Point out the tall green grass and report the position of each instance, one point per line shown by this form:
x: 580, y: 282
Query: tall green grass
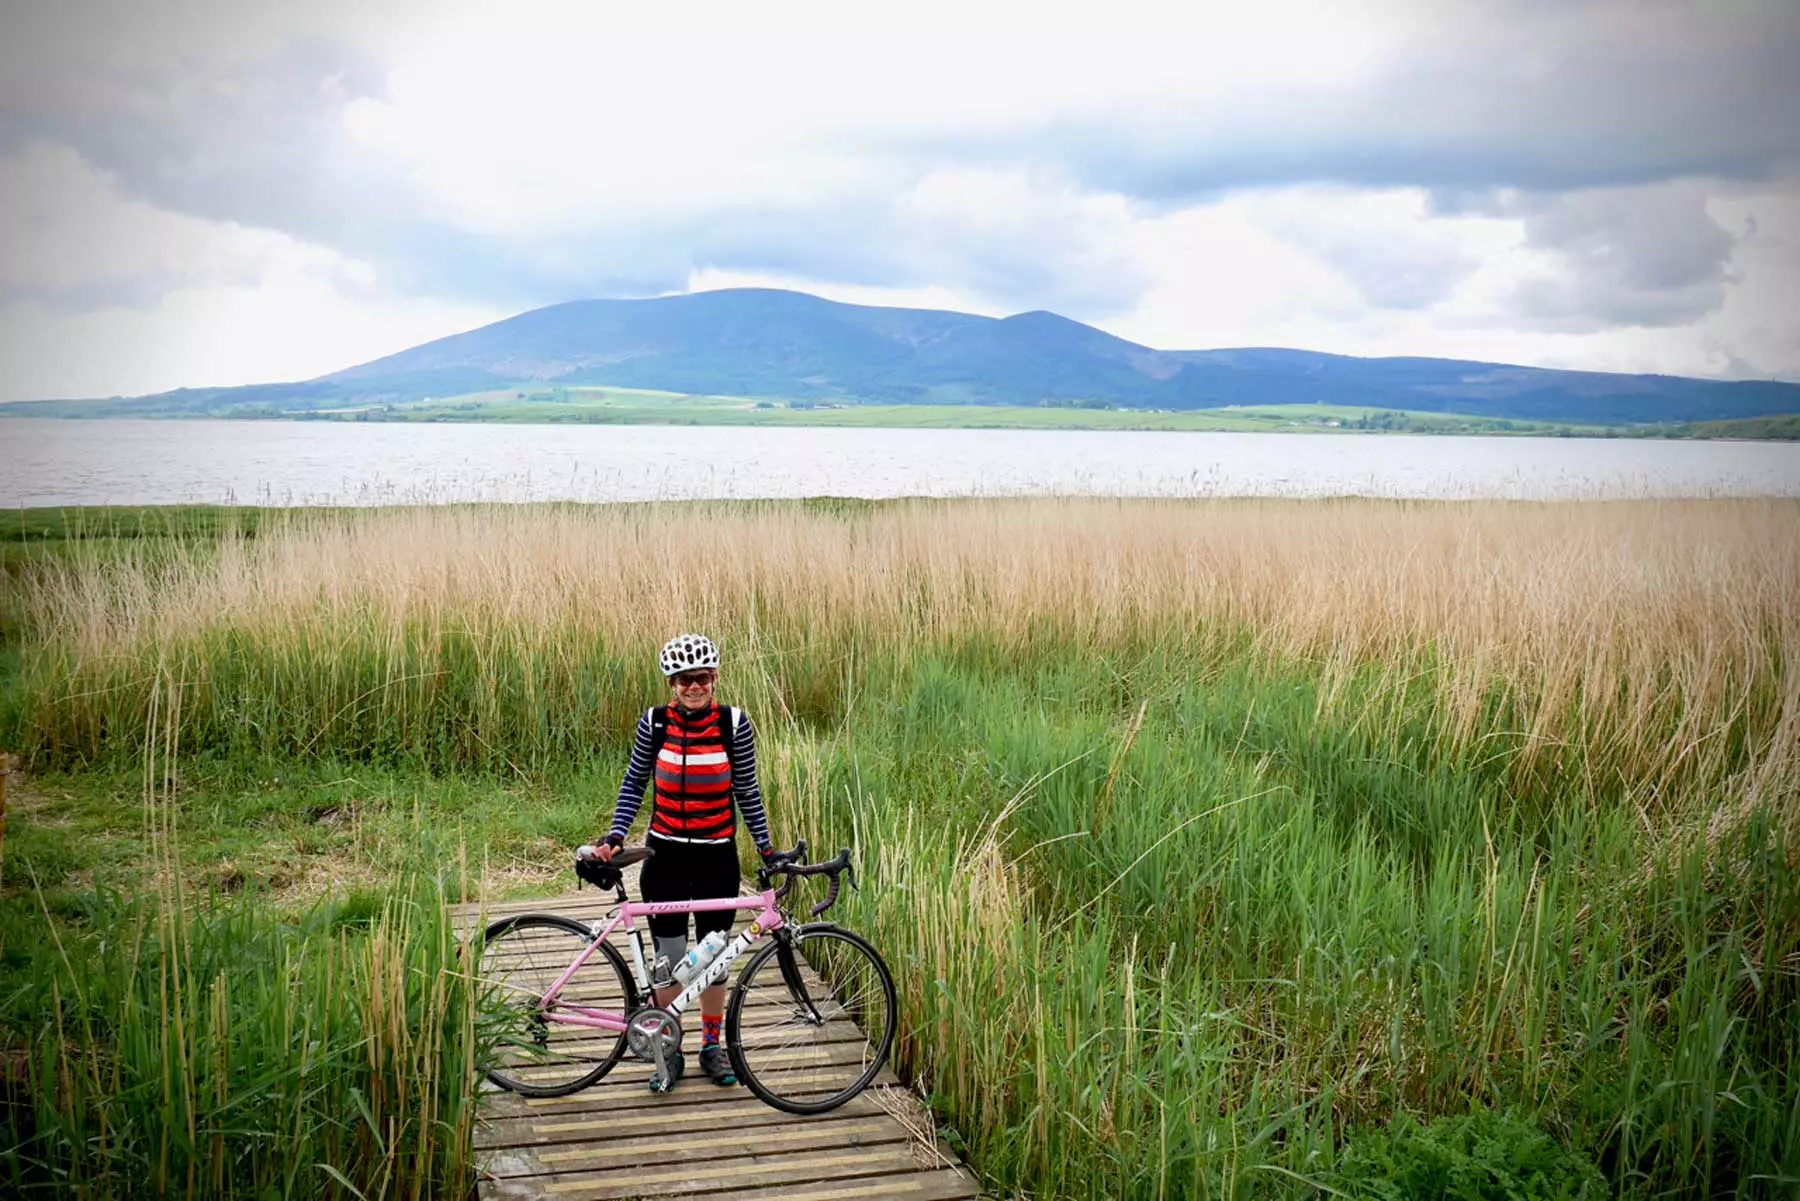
x: 165, y: 1044
x: 1192, y: 954
x: 229, y: 1052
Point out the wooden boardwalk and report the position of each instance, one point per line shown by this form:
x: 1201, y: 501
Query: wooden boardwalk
x: 617, y: 1140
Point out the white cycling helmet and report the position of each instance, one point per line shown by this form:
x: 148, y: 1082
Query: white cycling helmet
x: 688, y: 652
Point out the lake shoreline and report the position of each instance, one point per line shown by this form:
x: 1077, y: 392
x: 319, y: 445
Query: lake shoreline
x: 55, y: 463
x: 1304, y: 419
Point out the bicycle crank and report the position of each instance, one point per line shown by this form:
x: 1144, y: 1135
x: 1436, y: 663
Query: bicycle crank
x: 653, y: 1034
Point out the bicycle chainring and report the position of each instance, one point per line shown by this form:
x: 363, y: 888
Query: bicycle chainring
x: 650, y: 1027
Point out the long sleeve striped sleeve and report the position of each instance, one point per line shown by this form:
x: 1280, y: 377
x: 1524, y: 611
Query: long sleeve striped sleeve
x: 637, y: 778
x: 743, y: 783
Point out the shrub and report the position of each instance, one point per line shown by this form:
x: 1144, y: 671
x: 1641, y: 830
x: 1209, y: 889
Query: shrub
x: 1475, y: 1157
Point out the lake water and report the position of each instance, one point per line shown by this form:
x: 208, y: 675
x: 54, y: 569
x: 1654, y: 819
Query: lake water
x: 48, y: 462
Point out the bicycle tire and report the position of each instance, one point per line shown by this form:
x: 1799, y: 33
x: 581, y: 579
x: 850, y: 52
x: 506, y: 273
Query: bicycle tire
x: 811, y: 1019
x: 520, y: 957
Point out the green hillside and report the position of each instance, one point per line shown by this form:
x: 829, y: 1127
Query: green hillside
x: 790, y: 347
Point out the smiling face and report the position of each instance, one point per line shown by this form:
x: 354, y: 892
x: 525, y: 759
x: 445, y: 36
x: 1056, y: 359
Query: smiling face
x: 694, y: 689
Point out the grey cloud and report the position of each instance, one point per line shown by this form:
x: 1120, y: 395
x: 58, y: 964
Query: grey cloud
x: 854, y: 240
x: 1649, y: 256
x: 248, y: 129
x: 231, y: 112
x: 1537, y: 97
x: 259, y: 141
x: 1658, y: 239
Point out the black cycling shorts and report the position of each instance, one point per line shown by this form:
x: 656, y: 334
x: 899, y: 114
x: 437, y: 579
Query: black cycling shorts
x: 689, y: 871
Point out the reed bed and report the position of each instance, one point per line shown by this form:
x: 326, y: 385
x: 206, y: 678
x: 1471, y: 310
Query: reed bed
x: 1640, y: 643
x: 1204, y: 837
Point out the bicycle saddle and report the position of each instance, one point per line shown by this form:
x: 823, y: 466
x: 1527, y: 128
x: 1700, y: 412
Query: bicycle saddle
x: 607, y: 875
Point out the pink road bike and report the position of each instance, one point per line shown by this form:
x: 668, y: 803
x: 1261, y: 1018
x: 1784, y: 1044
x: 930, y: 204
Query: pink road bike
x: 809, y: 1023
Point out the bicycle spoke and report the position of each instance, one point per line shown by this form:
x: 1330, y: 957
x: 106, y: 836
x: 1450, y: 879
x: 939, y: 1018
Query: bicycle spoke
x: 533, y: 1051
x: 811, y: 1041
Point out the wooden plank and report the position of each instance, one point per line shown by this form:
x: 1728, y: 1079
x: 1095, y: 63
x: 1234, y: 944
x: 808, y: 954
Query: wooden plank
x: 724, y: 1113
x: 825, y: 1176
x: 709, y: 1177
x: 940, y: 1184
x: 676, y: 1145
x: 612, y: 1095
x: 617, y: 1140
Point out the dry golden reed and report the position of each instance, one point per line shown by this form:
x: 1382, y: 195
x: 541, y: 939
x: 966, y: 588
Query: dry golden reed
x: 1640, y: 628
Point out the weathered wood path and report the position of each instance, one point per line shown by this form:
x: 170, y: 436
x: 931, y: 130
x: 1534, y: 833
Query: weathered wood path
x: 617, y: 1140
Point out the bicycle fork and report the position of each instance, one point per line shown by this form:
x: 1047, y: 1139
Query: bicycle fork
x: 796, y: 983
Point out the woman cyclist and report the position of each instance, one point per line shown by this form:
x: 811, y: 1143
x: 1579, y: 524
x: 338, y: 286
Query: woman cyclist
x: 700, y: 756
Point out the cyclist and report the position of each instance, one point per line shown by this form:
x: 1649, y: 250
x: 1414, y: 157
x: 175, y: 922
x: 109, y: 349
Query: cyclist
x: 700, y: 756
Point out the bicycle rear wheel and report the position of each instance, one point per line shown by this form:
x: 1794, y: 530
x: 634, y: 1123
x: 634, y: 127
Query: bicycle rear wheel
x: 812, y: 1019
x: 534, y: 1054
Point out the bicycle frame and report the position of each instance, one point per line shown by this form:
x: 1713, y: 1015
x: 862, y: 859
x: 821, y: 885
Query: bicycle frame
x: 767, y: 920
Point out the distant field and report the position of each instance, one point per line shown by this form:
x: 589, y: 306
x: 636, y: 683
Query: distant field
x: 607, y: 405
x: 625, y: 406
x: 1784, y: 428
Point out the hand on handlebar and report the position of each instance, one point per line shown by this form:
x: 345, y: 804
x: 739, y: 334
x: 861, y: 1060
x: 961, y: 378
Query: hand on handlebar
x: 774, y: 861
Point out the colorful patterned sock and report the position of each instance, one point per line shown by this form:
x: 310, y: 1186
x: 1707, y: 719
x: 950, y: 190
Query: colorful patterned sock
x: 709, y: 1029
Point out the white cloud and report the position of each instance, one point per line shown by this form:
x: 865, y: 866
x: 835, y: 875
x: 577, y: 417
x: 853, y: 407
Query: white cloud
x: 69, y: 236
x: 253, y: 185
x: 711, y: 279
x: 103, y: 295
x: 1291, y: 267
x: 287, y: 327
x: 572, y: 112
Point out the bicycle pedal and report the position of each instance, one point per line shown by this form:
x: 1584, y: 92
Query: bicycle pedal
x: 661, y: 1083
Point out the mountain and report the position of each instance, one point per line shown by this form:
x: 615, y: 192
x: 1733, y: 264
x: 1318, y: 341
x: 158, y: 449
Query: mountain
x: 765, y: 343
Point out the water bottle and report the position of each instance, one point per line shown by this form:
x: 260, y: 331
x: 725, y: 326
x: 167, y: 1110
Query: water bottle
x: 695, y: 961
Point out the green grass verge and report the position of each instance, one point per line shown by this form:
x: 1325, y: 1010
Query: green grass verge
x: 166, y: 1045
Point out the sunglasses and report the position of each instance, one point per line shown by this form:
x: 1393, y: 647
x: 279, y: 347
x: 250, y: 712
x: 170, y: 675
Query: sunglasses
x: 688, y: 678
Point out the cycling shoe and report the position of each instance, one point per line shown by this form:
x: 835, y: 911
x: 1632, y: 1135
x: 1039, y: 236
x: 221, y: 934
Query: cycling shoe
x: 715, y: 1061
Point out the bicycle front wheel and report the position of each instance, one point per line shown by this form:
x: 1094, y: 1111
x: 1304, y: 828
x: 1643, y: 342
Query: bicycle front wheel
x: 812, y: 1019
x: 535, y: 1051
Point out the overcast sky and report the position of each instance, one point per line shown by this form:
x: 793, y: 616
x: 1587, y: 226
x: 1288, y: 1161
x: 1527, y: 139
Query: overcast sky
x: 228, y: 191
